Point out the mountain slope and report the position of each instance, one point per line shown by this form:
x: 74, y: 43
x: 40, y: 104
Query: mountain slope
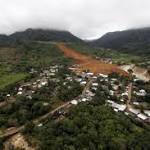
x: 38, y: 35
x: 133, y: 41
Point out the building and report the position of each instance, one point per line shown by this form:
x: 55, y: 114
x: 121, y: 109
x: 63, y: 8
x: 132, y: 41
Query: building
x: 142, y: 116
x: 74, y: 102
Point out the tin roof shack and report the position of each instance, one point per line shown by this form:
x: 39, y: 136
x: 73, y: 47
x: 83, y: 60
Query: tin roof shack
x: 116, y: 106
x: 141, y: 93
x: 134, y: 111
x: 83, y: 83
x: 142, y: 116
x: 74, y: 102
x: 147, y: 112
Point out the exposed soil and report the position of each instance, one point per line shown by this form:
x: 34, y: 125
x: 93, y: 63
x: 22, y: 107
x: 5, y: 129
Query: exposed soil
x: 139, y: 72
x: 87, y: 62
x: 17, y: 141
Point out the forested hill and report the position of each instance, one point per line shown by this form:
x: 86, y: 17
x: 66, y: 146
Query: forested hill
x: 132, y: 41
x: 38, y: 35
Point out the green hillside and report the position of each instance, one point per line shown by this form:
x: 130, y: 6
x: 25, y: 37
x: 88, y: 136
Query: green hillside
x: 16, y: 62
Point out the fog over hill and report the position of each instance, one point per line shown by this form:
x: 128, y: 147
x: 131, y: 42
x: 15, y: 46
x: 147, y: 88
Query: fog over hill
x: 134, y: 40
x: 38, y: 35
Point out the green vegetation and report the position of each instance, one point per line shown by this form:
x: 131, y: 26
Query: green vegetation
x: 28, y: 107
x: 6, y: 80
x: 16, y: 62
x: 92, y: 128
x: 117, y: 57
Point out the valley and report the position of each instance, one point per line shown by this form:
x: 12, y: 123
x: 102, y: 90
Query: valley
x: 55, y: 92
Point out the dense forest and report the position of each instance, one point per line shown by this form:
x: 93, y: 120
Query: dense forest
x: 91, y: 127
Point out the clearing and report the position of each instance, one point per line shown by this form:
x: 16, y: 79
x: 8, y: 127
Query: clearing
x: 87, y: 62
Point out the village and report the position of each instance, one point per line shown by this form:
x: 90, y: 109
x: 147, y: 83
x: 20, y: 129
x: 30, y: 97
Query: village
x: 119, y: 93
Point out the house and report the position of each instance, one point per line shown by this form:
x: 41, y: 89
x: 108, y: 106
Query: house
x: 43, y: 83
x: 69, y: 79
x: 51, y: 74
x: 136, y: 103
x: 52, y: 70
x: 94, y: 77
x: 19, y: 93
x: 119, y: 107
x: 45, y: 104
x: 109, y: 101
x: 147, y: 112
x: 78, y: 79
x: 83, y: 83
x: 39, y: 86
x: 34, y: 83
x: 103, y: 75
x: 8, y: 95
x: 89, y: 74
x: 115, y: 87
x: 74, y: 102
x: 111, y: 92
x: 84, y: 99
x: 141, y: 93
x: 116, y: 110
x: 113, y: 79
x: 94, y: 88
x: 134, y: 111
x: 72, y: 68
x: 20, y: 89
x: 89, y: 93
x: 126, y: 113
x: 40, y: 125
x: 95, y: 84
x: 124, y: 94
x: 29, y: 96
x: 122, y: 100
x: 142, y: 116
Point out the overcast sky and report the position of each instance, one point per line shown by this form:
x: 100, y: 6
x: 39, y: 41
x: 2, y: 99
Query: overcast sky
x: 84, y: 18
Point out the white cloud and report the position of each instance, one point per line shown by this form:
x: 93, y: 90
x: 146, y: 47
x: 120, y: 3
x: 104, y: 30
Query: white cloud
x: 84, y: 18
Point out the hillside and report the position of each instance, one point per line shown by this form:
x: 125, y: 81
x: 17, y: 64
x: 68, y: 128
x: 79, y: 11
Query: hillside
x: 16, y: 61
x: 38, y: 35
x: 87, y: 62
x: 132, y: 41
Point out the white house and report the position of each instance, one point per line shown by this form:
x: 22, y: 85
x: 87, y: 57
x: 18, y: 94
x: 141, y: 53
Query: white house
x: 103, y: 75
x: 141, y: 93
x: 90, y: 74
x: 94, y: 84
x: 74, y: 102
x: 84, y: 99
x: 147, y: 112
x: 19, y: 93
x: 83, y: 83
x: 134, y: 111
x: 142, y: 116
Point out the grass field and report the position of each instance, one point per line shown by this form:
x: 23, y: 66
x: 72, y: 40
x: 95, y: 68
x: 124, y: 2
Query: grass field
x: 8, y: 79
x: 15, y: 62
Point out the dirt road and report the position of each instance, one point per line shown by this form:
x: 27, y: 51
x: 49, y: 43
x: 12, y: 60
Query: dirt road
x: 129, y: 97
x: 12, y: 131
x: 87, y: 62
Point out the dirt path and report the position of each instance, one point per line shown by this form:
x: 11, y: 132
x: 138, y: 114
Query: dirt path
x: 87, y: 62
x: 129, y: 97
x: 12, y: 131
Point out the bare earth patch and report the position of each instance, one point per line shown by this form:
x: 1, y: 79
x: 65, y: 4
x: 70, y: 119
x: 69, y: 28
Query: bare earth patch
x: 17, y: 141
x: 87, y: 62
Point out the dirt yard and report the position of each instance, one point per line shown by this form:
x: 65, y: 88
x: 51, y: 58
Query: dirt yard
x: 87, y: 62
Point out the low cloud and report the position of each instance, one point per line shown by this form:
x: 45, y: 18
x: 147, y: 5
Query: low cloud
x: 84, y: 18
